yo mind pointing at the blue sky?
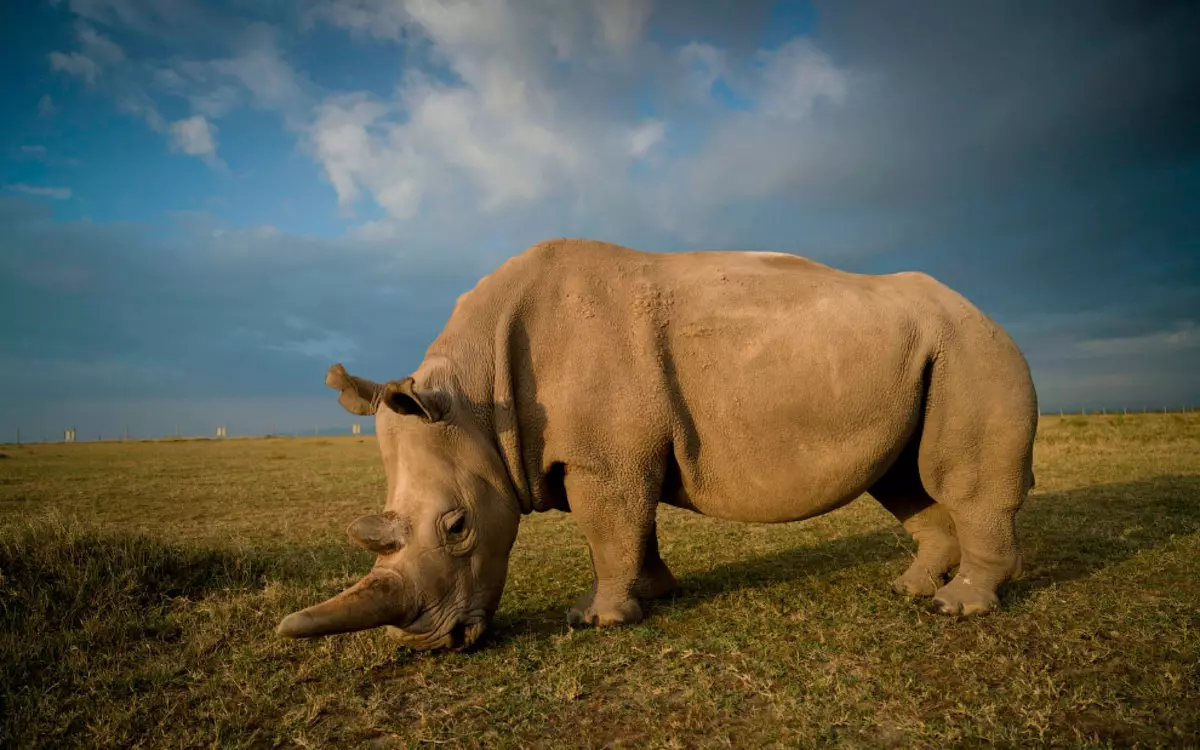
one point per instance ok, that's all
(203, 205)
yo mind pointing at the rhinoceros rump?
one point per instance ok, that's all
(600, 380)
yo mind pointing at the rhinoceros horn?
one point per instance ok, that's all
(383, 597)
(382, 534)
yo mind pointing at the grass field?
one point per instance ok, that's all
(140, 584)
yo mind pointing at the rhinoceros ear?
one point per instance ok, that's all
(358, 395)
(402, 397)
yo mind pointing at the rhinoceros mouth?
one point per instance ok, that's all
(461, 634)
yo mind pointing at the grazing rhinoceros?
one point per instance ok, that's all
(761, 387)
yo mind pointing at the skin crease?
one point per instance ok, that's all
(761, 387)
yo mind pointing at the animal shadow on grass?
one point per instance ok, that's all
(59, 575)
(1064, 536)
(1067, 536)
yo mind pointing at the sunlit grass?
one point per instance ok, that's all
(140, 583)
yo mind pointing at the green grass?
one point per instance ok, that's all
(140, 584)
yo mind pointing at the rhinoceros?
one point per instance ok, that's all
(762, 387)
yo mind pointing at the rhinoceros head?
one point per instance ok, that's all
(444, 538)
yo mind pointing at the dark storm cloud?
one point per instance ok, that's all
(985, 95)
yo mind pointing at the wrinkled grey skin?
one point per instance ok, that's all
(761, 387)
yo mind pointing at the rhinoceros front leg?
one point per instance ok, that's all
(620, 531)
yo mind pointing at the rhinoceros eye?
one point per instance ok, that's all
(456, 524)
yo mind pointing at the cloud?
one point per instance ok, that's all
(252, 71)
(46, 106)
(623, 23)
(76, 64)
(259, 66)
(42, 191)
(168, 19)
(195, 136)
(96, 52)
(645, 137)
(510, 129)
(702, 66)
(315, 342)
(34, 152)
(1183, 335)
(98, 47)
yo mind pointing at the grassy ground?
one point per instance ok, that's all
(140, 582)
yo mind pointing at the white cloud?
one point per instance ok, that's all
(42, 191)
(794, 77)
(133, 100)
(315, 342)
(75, 64)
(204, 88)
(156, 18)
(623, 22)
(1184, 335)
(95, 52)
(702, 65)
(381, 19)
(98, 47)
(530, 124)
(34, 152)
(262, 70)
(532, 120)
(645, 137)
(343, 144)
(513, 131)
(195, 136)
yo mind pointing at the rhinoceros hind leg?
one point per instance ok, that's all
(989, 558)
(927, 522)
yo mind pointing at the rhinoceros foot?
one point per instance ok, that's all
(588, 612)
(962, 598)
(917, 583)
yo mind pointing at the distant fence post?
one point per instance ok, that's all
(221, 431)
(356, 429)
(18, 436)
(68, 436)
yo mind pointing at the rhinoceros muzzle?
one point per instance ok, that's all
(383, 597)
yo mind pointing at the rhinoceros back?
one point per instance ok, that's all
(766, 386)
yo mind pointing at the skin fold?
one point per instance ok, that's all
(761, 387)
